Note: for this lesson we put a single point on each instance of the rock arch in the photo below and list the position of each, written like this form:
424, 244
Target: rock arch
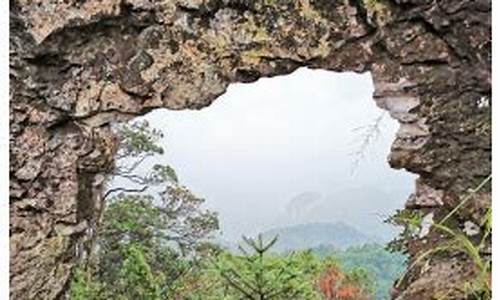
76, 66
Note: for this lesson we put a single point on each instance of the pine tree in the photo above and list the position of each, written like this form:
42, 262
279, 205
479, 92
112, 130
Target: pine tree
258, 275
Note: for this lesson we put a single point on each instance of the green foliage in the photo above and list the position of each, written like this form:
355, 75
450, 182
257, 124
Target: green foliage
135, 277
84, 286
138, 138
362, 278
257, 275
138, 142
146, 242
155, 239
411, 221
145, 247
162, 173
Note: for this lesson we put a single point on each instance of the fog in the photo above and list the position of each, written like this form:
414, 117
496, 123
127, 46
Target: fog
261, 144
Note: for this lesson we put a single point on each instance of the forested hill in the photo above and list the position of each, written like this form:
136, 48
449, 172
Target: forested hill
312, 235
349, 246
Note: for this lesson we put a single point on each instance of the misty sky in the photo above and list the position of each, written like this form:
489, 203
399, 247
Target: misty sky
260, 144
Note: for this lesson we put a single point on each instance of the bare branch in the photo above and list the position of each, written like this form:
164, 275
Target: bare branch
124, 190
134, 165
369, 133
134, 178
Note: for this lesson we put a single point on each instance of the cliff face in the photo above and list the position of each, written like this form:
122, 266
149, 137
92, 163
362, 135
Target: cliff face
78, 65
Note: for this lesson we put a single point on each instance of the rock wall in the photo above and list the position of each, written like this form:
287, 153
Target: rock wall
76, 66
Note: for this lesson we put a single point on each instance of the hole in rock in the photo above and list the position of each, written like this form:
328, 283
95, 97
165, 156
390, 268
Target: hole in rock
301, 156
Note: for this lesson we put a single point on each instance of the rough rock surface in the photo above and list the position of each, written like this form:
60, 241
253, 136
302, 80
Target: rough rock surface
76, 66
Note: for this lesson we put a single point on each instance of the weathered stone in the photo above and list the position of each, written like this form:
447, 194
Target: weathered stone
425, 197
78, 66
30, 170
428, 285
64, 229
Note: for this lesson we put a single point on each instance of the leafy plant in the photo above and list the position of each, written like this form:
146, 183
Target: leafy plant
136, 279
411, 221
458, 242
84, 286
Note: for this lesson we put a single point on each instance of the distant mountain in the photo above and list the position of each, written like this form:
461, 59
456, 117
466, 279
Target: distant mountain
363, 208
311, 235
302, 203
